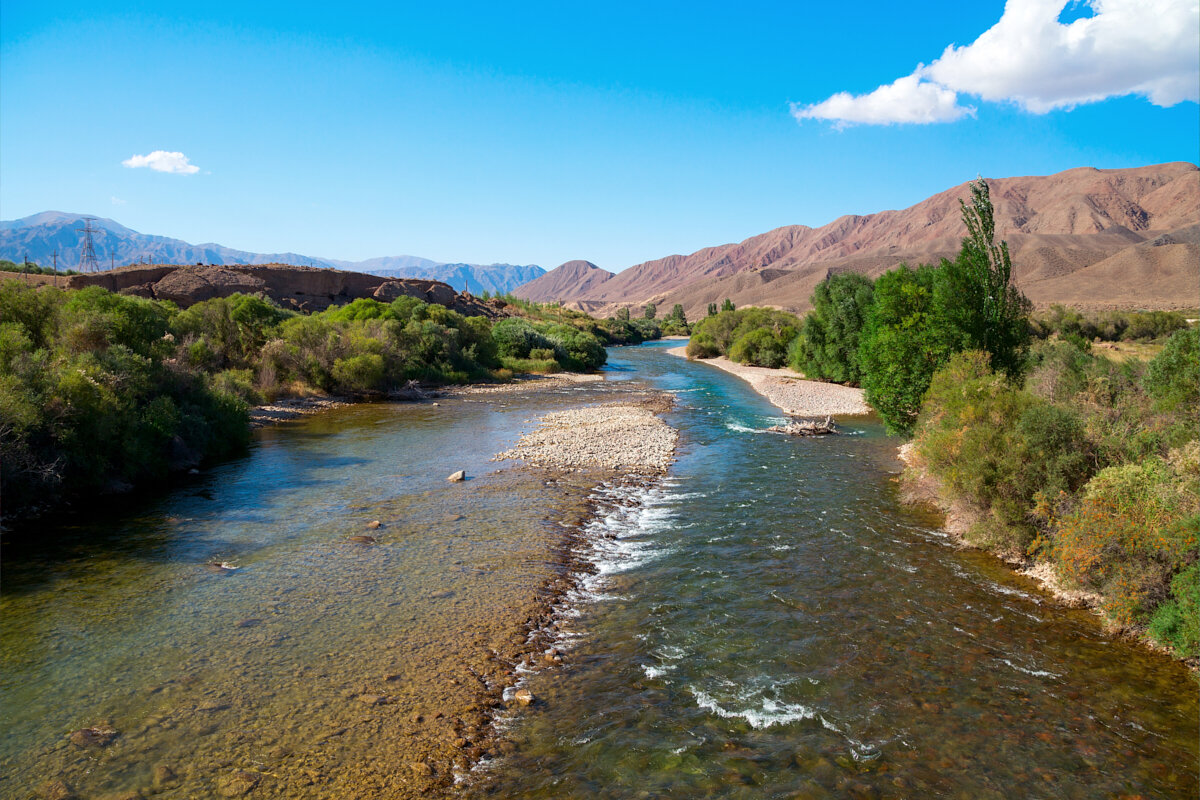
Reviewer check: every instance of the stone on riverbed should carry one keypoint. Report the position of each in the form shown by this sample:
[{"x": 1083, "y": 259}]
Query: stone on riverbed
[
  {"x": 523, "y": 696},
  {"x": 237, "y": 784},
  {"x": 461, "y": 475},
  {"x": 100, "y": 735},
  {"x": 56, "y": 790}
]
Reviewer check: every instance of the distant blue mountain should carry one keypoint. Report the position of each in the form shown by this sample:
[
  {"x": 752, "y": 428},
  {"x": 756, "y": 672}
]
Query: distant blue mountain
[{"x": 40, "y": 236}]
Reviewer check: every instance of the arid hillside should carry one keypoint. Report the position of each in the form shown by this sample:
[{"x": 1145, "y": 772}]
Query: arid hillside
[
  {"x": 565, "y": 282},
  {"x": 1090, "y": 237}
]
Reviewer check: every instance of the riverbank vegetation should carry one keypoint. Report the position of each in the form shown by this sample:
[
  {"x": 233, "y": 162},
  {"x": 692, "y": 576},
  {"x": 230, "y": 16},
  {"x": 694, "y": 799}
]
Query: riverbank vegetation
[
  {"x": 1061, "y": 437},
  {"x": 1044, "y": 448},
  {"x": 102, "y": 391},
  {"x": 756, "y": 336}
]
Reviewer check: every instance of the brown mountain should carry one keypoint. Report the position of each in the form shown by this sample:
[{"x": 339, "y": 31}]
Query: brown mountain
[
  {"x": 1091, "y": 237},
  {"x": 567, "y": 281}
]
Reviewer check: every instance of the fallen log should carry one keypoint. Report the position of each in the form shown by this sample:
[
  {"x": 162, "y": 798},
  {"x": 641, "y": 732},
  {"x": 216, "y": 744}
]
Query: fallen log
[{"x": 806, "y": 427}]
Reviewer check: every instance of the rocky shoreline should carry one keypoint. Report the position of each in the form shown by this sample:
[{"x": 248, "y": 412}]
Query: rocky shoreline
[{"x": 790, "y": 392}]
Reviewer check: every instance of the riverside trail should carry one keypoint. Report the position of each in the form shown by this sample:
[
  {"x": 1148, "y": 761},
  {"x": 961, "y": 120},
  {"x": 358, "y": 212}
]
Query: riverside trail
[{"x": 765, "y": 621}]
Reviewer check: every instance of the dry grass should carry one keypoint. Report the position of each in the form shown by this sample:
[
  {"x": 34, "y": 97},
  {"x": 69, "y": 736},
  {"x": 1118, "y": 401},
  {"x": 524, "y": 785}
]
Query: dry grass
[{"x": 1127, "y": 351}]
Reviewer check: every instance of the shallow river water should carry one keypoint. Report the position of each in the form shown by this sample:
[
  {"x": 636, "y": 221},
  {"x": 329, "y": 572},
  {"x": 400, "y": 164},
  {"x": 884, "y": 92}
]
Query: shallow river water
[
  {"x": 772, "y": 623},
  {"x": 767, "y": 622}
]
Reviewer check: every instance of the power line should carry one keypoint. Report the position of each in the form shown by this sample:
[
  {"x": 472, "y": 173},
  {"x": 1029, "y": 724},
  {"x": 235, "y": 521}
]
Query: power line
[{"x": 87, "y": 260}]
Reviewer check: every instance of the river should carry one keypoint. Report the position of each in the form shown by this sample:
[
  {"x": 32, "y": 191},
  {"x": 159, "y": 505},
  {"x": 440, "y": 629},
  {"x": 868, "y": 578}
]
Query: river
[{"x": 767, "y": 622}]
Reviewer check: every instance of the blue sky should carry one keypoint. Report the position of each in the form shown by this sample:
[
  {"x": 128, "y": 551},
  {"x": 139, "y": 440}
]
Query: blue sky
[{"x": 615, "y": 133}]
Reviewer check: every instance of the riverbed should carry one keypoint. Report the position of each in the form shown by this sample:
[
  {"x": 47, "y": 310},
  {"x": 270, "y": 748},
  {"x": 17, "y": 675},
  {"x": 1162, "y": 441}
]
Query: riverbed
[{"x": 767, "y": 620}]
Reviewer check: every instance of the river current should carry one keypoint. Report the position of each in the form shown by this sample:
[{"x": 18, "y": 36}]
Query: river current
[{"x": 768, "y": 621}]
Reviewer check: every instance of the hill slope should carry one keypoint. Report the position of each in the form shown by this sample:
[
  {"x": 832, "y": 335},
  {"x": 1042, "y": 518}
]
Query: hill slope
[
  {"x": 565, "y": 282},
  {"x": 1057, "y": 226}
]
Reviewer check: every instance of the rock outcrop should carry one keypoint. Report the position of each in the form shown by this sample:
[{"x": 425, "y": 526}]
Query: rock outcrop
[{"x": 298, "y": 288}]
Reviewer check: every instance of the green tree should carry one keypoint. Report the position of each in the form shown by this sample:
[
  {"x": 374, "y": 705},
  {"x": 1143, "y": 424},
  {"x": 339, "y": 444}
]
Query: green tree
[
  {"x": 677, "y": 314},
  {"x": 828, "y": 345},
  {"x": 976, "y": 303},
  {"x": 623, "y": 314},
  {"x": 712, "y": 309},
  {"x": 900, "y": 347},
  {"x": 650, "y": 311},
  {"x": 727, "y": 305}
]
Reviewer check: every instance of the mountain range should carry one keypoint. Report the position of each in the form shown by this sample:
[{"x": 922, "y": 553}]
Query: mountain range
[
  {"x": 40, "y": 236},
  {"x": 1091, "y": 238}
]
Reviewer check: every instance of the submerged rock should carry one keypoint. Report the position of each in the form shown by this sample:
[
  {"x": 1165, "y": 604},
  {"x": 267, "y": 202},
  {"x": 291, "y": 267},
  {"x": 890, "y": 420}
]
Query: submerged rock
[
  {"x": 237, "y": 784},
  {"x": 523, "y": 696},
  {"x": 100, "y": 735},
  {"x": 56, "y": 790}
]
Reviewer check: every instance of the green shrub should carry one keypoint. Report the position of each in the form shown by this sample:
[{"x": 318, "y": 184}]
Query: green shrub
[
  {"x": 533, "y": 365},
  {"x": 1176, "y": 622},
  {"x": 515, "y": 338},
  {"x": 702, "y": 345},
  {"x": 760, "y": 347},
  {"x": 1136, "y": 526},
  {"x": 361, "y": 373},
  {"x": 716, "y": 335},
  {"x": 1173, "y": 376}
]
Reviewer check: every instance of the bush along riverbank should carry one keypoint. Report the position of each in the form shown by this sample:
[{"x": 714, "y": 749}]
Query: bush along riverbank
[
  {"x": 1037, "y": 446},
  {"x": 1083, "y": 468},
  {"x": 103, "y": 392}
]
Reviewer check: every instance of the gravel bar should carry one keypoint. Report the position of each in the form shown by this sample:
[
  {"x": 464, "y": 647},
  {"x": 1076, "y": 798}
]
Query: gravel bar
[{"x": 623, "y": 437}]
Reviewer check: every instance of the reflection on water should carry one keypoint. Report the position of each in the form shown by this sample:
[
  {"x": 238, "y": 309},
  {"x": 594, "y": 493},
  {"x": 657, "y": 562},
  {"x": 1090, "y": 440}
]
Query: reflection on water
[{"x": 771, "y": 622}]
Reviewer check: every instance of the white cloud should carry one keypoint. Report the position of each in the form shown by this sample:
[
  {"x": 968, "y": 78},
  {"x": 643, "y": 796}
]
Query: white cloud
[
  {"x": 116, "y": 201},
  {"x": 909, "y": 99},
  {"x": 1141, "y": 47},
  {"x": 163, "y": 161}
]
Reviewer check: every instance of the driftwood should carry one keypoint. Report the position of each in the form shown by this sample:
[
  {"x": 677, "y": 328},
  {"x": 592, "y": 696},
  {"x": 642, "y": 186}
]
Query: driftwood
[
  {"x": 411, "y": 391},
  {"x": 806, "y": 427}
]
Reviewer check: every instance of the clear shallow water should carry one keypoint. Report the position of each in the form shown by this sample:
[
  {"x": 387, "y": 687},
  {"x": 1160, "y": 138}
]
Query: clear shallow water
[
  {"x": 771, "y": 622},
  {"x": 767, "y": 622},
  {"x": 203, "y": 671}
]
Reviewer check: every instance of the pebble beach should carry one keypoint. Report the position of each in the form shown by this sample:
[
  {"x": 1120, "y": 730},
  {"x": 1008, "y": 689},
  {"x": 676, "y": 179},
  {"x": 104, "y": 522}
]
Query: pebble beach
[{"x": 790, "y": 392}]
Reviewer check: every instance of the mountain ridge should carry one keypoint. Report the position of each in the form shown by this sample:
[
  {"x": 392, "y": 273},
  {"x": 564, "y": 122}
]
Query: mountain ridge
[
  {"x": 1056, "y": 225},
  {"x": 38, "y": 236}
]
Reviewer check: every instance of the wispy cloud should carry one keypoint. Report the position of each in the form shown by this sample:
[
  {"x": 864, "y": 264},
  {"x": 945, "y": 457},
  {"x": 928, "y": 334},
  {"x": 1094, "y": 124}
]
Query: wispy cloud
[
  {"x": 116, "y": 201},
  {"x": 1030, "y": 58},
  {"x": 163, "y": 161}
]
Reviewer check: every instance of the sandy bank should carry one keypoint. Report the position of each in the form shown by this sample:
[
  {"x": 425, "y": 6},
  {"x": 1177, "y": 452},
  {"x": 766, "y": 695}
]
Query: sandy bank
[
  {"x": 624, "y": 437},
  {"x": 790, "y": 391}
]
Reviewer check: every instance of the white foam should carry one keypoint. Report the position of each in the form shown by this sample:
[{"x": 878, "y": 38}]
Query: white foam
[
  {"x": 1037, "y": 673},
  {"x": 771, "y": 712}
]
